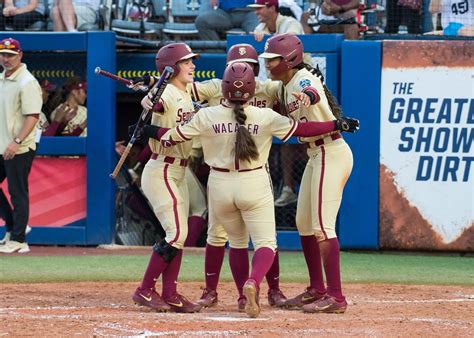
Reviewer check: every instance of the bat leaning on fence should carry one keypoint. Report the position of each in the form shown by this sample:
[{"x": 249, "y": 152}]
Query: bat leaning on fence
[{"x": 156, "y": 91}]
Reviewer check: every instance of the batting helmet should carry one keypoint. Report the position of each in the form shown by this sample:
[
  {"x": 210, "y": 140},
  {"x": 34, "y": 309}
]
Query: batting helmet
[
  {"x": 171, "y": 54},
  {"x": 287, "y": 46},
  {"x": 238, "y": 82},
  {"x": 243, "y": 52}
]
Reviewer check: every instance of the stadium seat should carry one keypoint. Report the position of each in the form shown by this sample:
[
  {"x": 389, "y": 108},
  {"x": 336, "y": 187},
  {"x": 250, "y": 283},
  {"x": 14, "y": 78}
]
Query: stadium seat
[
  {"x": 123, "y": 25},
  {"x": 182, "y": 16}
]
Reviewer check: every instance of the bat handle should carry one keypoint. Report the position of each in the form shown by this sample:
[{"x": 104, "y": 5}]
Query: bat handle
[{"x": 121, "y": 160}]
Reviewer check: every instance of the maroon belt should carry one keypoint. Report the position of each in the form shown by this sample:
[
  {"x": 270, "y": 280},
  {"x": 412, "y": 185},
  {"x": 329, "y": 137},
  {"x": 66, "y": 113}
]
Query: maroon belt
[
  {"x": 321, "y": 141},
  {"x": 171, "y": 160},
  {"x": 225, "y": 170}
]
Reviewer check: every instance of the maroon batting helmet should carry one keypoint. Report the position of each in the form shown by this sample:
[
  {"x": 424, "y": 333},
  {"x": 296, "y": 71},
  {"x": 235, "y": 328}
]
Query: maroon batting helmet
[
  {"x": 171, "y": 54},
  {"x": 238, "y": 82},
  {"x": 243, "y": 52},
  {"x": 287, "y": 46}
]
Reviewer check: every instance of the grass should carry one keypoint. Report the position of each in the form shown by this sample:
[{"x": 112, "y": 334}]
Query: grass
[{"x": 393, "y": 268}]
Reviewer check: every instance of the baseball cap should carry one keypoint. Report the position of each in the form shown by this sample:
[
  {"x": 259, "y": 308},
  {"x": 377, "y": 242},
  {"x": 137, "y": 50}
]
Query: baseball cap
[
  {"x": 80, "y": 85},
  {"x": 10, "y": 46},
  {"x": 48, "y": 86},
  {"x": 263, "y": 3}
]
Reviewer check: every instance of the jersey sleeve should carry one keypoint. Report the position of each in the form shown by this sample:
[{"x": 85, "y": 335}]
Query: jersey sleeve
[
  {"x": 203, "y": 91},
  {"x": 281, "y": 126},
  {"x": 185, "y": 132},
  {"x": 31, "y": 98},
  {"x": 271, "y": 88}
]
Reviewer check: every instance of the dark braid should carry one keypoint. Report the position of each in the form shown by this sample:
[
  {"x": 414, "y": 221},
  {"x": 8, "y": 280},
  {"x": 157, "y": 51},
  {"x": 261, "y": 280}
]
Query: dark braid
[
  {"x": 332, "y": 101},
  {"x": 245, "y": 148}
]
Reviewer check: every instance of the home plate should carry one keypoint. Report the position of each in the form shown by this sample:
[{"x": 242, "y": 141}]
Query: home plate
[{"x": 233, "y": 319}]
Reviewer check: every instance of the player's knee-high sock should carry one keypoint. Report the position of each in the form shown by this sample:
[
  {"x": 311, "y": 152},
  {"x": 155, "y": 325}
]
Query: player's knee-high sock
[
  {"x": 213, "y": 260},
  {"x": 170, "y": 276},
  {"x": 156, "y": 265},
  {"x": 261, "y": 262},
  {"x": 273, "y": 275},
  {"x": 239, "y": 265},
  {"x": 196, "y": 225},
  {"x": 330, "y": 251},
  {"x": 312, "y": 256}
]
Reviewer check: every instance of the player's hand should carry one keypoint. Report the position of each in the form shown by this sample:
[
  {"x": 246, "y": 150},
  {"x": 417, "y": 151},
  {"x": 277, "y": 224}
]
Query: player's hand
[
  {"x": 303, "y": 98},
  {"x": 11, "y": 150},
  {"x": 140, "y": 83},
  {"x": 70, "y": 114},
  {"x": 258, "y": 36},
  {"x": 347, "y": 124},
  {"x": 120, "y": 147},
  {"x": 146, "y": 101}
]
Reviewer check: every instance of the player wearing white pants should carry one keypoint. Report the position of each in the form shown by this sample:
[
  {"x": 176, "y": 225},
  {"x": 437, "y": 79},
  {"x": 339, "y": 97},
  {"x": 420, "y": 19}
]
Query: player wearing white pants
[{"x": 236, "y": 140}]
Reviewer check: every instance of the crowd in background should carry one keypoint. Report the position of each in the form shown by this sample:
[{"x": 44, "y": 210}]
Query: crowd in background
[{"x": 215, "y": 18}]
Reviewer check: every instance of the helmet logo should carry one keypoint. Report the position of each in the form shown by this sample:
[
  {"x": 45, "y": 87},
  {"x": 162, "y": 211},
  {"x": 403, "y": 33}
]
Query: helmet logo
[
  {"x": 242, "y": 51},
  {"x": 238, "y": 84},
  {"x": 266, "y": 45}
]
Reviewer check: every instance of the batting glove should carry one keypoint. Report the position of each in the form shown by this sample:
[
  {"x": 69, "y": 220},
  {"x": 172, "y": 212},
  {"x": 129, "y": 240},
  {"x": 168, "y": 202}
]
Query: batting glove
[{"x": 347, "y": 124}]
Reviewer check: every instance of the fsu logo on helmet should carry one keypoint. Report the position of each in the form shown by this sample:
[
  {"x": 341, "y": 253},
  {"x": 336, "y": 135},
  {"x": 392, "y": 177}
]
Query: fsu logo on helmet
[
  {"x": 238, "y": 84},
  {"x": 266, "y": 46},
  {"x": 242, "y": 51}
]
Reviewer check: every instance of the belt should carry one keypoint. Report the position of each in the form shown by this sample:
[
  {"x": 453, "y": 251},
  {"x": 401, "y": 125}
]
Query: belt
[
  {"x": 322, "y": 141},
  {"x": 168, "y": 159},
  {"x": 225, "y": 170}
]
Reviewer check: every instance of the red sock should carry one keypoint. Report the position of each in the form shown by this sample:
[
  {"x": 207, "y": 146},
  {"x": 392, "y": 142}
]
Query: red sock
[
  {"x": 196, "y": 225},
  {"x": 170, "y": 276},
  {"x": 313, "y": 262},
  {"x": 239, "y": 265},
  {"x": 261, "y": 262},
  {"x": 213, "y": 260},
  {"x": 330, "y": 252},
  {"x": 156, "y": 265},
  {"x": 273, "y": 275}
]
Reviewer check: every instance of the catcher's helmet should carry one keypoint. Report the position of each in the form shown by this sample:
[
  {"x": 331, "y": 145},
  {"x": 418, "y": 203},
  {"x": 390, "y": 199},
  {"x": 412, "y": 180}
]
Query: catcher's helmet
[
  {"x": 171, "y": 54},
  {"x": 243, "y": 52},
  {"x": 238, "y": 82},
  {"x": 287, "y": 46}
]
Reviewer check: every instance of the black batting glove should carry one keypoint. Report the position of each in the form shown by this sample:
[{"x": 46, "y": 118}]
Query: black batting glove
[{"x": 347, "y": 124}]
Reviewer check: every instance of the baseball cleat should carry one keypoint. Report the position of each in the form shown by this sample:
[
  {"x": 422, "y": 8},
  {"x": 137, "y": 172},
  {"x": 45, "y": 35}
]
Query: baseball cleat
[
  {"x": 252, "y": 308},
  {"x": 150, "y": 298},
  {"x": 326, "y": 305},
  {"x": 14, "y": 246},
  {"x": 241, "y": 302},
  {"x": 208, "y": 298},
  {"x": 8, "y": 235},
  {"x": 308, "y": 296},
  {"x": 179, "y": 303},
  {"x": 276, "y": 298}
]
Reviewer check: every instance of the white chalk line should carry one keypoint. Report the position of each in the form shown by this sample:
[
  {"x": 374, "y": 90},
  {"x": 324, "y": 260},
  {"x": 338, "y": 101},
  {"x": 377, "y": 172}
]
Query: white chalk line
[{"x": 455, "y": 300}]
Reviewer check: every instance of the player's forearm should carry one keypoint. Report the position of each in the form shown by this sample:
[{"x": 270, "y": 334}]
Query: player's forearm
[
  {"x": 28, "y": 125},
  {"x": 311, "y": 128}
]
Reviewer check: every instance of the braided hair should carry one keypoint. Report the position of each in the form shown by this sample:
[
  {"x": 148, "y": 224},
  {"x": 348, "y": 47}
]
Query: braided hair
[{"x": 245, "y": 147}]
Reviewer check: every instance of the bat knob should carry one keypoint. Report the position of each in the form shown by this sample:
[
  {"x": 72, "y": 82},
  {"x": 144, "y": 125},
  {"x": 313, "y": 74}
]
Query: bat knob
[{"x": 97, "y": 70}]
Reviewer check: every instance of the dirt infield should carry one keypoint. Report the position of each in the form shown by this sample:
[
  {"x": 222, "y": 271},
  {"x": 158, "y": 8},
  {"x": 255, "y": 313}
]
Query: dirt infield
[{"x": 106, "y": 309}]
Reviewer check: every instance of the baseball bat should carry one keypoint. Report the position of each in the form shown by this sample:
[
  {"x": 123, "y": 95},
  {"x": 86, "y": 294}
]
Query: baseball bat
[
  {"x": 160, "y": 87},
  {"x": 127, "y": 82}
]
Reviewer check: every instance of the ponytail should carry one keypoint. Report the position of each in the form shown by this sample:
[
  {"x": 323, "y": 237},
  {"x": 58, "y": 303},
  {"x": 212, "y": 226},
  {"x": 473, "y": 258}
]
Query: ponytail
[
  {"x": 332, "y": 101},
  {"x": 245, "y": 147}
]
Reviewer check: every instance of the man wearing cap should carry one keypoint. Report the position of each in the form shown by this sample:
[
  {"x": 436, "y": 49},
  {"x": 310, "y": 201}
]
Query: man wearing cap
[
  {"x": 271, "y": 21},
  {"x": 20, "y": 105},
  {"x": 225, "y": 15}
]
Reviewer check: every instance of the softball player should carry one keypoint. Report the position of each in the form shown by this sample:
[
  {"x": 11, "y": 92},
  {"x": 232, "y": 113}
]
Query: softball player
[
  {"x": 327, "y": 171},
  {"x": 236, "y": 140},
  {"x": 265, "y": 95},
  {"x": 164, "y": 184}
]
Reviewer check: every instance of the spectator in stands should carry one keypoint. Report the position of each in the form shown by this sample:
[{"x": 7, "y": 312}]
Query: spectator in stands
[
  {"x": 226, "y": 15},
  {"x": 457, "y": 16},
  {"x": 70, "y": 116},
  {"x": 333, "y": 16},
  {"x": 20, "y": 105},
  {"x": 20, "y": 14},
  {"x": 404, "y": 11},
  {"x": 271, "y": 21},
  {"x": 74, "y": 15},
  {"x": 290, "y": 8}
]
